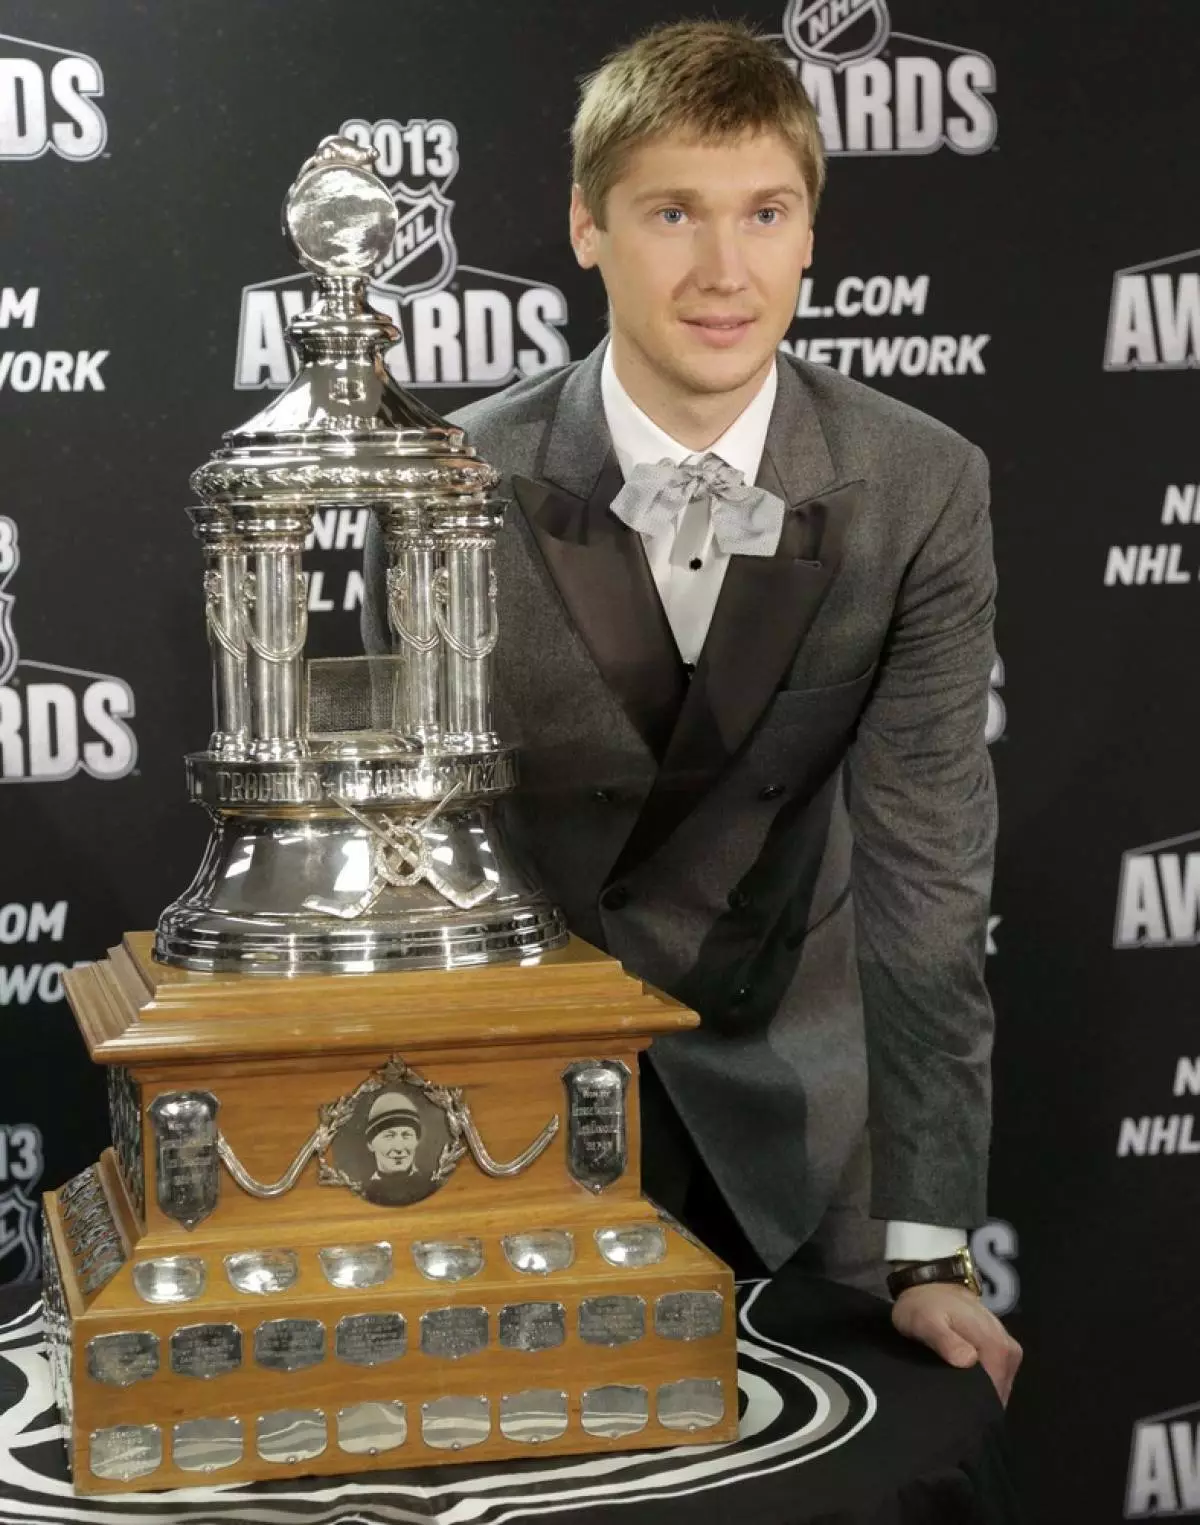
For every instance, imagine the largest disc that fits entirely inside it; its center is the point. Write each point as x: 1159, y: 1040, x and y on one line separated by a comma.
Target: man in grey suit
x: 746, y: 608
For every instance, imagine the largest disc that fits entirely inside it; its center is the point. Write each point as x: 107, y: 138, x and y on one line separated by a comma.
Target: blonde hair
x: 707, y: 79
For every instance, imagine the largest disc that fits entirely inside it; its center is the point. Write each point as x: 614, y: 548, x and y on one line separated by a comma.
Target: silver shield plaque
x: 614, y: 1411
x: 356, y: 1265
x: 454, y: 1332
x: 639, y: 1244
x: 539, y: 1252
x: 612, y: 1320
x: 169, y: 1279
x: 206, y: 1350
x: 120, y: 1360
x: 451, y: 1424
x: 448, y: 1259
x: 537, y: 1414
x: 262, y: 1271
x: 289, y: 1344
x: 597, y: 1151
x: 207, y: 1445
x: 186, y: 1165
x: 688, y: 1315
x: 696, y: 1403
x: 125, y: 1451
x: 370, y: 1339
x: 532, y: 1326
x: 290, y: 1435
x: 365, y: 1429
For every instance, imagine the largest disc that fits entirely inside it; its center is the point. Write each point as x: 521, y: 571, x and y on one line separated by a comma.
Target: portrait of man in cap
x: 390, y: 1145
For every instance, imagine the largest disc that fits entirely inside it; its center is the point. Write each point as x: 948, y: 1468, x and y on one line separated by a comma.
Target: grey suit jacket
x: 798, y: 842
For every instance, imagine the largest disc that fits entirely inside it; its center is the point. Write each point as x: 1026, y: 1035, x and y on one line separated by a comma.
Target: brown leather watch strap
x: 958, y: 1268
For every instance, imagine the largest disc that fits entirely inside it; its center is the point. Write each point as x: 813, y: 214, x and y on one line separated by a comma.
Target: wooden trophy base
x: 417, y: 1230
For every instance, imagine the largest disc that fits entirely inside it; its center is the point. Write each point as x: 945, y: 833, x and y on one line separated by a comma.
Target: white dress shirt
x: 688, y: 569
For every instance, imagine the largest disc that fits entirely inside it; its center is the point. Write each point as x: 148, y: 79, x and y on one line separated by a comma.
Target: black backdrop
x: 1033, y: 206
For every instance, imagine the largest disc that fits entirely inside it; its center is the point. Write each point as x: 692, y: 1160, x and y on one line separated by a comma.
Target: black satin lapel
x: 600, y: 569
x: 766, y: 607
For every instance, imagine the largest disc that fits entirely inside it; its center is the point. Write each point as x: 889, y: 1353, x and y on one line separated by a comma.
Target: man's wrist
x: 952, y: 1270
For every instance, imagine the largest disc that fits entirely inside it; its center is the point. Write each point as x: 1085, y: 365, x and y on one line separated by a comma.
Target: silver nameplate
x: 688, y: 1315
x: 640, y: 1244
x: 370, y: 1339
x: 612, y: 1320
x: 696, y: 1403
x: 186, y: 1165
x: 537, y: 1414
x: 169, y: 1279
x: 102, y: 1272
x: 451, y: 1424
x: 597, y: 1151
x: 448, y: 1259
x: 207, y: 1445
x: 87, y: 1223
x: 356, y: 1265
x: 291, y: 1435
x: 262, y: 1271
x: 120, y: 1360
x: 100, y: 1232
x: 365, y: 1429
x: 532, y: 1326
x: 289, y: 1344
x: 125, y: 1451
x: 614, y: 1411
x: 206, y: 1350
x: 454, y: 1332
x: 540, y: 1252
x: 82, y: 1188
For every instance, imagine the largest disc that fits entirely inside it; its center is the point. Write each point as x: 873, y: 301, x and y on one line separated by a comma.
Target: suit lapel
x: 766, y: 607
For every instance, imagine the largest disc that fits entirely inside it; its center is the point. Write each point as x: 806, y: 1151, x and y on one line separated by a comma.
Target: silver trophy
x: 351, y: 799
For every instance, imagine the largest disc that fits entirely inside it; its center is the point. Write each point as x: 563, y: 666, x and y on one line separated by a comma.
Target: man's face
x: 702, y: 256
x: 394, y: 1148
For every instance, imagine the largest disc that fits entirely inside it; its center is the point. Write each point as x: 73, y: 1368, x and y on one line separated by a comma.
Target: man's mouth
x: 719, y: 331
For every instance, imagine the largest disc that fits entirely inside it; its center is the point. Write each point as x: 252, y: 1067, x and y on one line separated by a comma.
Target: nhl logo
x: 20, y: 1253
x: 836, y: 33
x: 423, y: 255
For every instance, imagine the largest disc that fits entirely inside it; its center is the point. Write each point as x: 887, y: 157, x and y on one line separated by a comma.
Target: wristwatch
x: 958, y: 1268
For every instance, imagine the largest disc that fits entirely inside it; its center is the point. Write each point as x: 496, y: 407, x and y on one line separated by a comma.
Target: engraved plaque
x: 356, y: 1265
x: 370, y: 1339
x: 122, y: 1359
x: 540, y: 1252
x: 100, y: 1235
x: 169, y: 1279
x: 207, y: 1445
x: 538, y: 1413
x: 596, y: 1143
x: 125, y: 1451
x: 79, y: 1189
x: 688, y: 1315
x: 206, y: 1350
x: 125, y: 1122
x: 102, y: 1272
x: 696, y: 1403
x: 365, y: 1429
x: 262, y: 1271
x: 107, y: 1247
x: 450, y: 1424
x: 289, y: 1344
x: 612, y: 1320
x: 640, y: 1244
x: 532, y: 1326
x: 448, y: 1259
x: 290, y: 1435
x: 92, y: 1220
x: 614, y: 1411
x: 185, y: 1154
x: 454, y: 1332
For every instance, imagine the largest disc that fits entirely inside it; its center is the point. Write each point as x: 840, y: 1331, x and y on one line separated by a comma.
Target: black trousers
x: 847, y: 1245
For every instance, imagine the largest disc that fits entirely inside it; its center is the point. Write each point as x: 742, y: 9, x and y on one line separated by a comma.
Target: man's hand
x: 954, y: 1322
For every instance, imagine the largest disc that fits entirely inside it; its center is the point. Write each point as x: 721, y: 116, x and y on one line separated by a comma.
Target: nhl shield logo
x: 423, y: 256
x: 20, y: 1254
x: 836, y: 33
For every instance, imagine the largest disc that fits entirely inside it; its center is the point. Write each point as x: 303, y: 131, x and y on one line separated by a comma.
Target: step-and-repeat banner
x: 1008, y: 241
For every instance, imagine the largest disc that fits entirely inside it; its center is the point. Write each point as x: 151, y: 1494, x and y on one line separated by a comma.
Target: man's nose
x: 720, y: 259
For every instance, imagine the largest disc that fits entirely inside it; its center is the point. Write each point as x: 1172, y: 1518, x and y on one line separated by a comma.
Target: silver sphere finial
x: 338, y: 215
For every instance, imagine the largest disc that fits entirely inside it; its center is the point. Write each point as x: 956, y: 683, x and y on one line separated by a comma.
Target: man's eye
x: 768, y: 216
x: 672, y: 216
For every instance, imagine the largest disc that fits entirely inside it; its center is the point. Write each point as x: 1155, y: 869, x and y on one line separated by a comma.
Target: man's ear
x: 585, y: 235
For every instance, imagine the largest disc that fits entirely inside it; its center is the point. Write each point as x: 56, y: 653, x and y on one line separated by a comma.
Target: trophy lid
x: 340, y: 221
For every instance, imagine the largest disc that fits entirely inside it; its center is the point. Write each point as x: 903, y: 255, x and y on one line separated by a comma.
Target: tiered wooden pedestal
x: 273, y: 1052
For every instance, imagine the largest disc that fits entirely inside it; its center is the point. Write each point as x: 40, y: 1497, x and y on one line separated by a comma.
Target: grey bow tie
x: 747, y: 521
